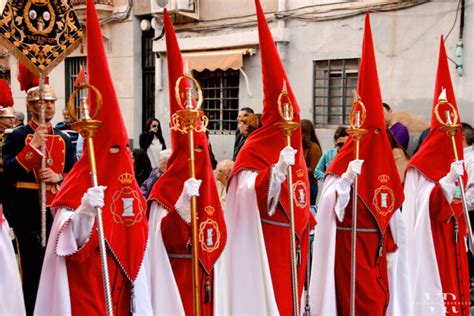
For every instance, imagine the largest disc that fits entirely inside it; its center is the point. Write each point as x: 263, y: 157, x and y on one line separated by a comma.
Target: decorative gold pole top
x: 357, y: 117
x: 189, y: 117
x: 285, y: 108
x: 86, y: 125
x: 451, y: 123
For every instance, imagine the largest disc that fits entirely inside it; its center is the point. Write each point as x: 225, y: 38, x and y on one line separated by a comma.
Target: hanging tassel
x: 207, y: 291
x: 132, y: 300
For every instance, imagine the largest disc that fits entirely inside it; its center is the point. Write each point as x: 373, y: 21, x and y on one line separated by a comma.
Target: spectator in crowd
x: 156, y: 173
x: 242, y: 114
x: 247, y: 125
x: 19, y: 119
x: 422, y: 138
x: 152, y: 141
x: 312, y: 153
x: 399, y: 154
x: 65, y: 127
x: 222, y: 175
x: 141, y: 165
x: 399, y: 131
x: 340, y: 137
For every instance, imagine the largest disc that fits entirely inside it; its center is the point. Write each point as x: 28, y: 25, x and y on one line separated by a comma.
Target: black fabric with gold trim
x: 21, y: 165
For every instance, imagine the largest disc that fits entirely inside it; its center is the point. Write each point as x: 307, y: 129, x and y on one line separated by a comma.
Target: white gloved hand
x: 191, y: 188
x: 93, y: 198
x: 287, y: 158
x: 353, y: 169
x: 183, y: 205
x: 83, y: 218
x: 456, y: 171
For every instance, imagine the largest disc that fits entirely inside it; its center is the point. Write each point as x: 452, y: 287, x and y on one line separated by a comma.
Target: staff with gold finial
x: 451, y: 126
x: 357, y: 119
x: 285, y: 108
x: 87, y: 126
x: 188, y: 120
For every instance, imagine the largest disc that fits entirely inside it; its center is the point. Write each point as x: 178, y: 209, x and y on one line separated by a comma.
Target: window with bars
x: 221, y: 98
x: 73, y: 66
x: 333, y: 83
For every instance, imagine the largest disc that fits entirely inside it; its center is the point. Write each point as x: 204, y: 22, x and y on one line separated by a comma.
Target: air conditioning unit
x: 187, y: 8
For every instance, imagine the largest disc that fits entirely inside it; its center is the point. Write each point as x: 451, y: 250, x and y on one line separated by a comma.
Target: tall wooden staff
x: 187, y: 121
x: 357, y: 119
x: 87, y: 126
x: 288, y: 127
x: 451, y: 126
x: 40, y: 34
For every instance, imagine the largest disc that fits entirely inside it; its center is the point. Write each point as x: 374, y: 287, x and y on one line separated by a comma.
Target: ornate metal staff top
x: 451, y: 126
x: 188, y: 120
x: 285, y: 108
x: 87, y: 126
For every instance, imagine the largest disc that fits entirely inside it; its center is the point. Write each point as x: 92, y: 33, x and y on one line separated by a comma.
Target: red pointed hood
x: 168, y: 188
x: 380, y: 187
x: 262, y: 148
x: 124, y: 215
x: 437, y: 150
x: 6, y: 97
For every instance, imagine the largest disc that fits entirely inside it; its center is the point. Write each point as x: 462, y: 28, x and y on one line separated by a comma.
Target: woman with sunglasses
x: 340, y: 137
x: 152, y: 141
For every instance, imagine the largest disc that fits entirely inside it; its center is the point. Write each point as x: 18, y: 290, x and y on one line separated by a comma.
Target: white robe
x: 165, y: 297
x: 53, y: 296
x: 424, y: 273
x: 243, y: 283
x: 11, y: 294
x: 322, y: 293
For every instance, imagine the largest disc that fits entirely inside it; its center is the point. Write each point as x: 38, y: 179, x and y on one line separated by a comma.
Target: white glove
x: 183, y: 205
x: 353, y: 170
x: 83, y: 218
x: 456, y: 171
x: 94, y: 197
x: 287, y: 158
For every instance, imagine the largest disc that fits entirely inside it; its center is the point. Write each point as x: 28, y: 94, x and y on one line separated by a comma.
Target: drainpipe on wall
x: 460, y: 44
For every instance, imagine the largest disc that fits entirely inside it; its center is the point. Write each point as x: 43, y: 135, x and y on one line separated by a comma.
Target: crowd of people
x: 253, y: 240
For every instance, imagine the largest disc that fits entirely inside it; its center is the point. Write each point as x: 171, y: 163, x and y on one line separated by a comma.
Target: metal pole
x: 294, y: 271
x: 355, y: 189
x: 194, y: 219
x: 42, y: 121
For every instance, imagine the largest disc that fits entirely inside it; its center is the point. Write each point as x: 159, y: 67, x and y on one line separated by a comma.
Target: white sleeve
x: 276, y: 179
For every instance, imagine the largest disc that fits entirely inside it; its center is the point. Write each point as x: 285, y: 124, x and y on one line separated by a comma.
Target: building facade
x: 319, y: 42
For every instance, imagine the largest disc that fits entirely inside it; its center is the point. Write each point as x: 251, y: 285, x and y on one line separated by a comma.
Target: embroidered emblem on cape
x: 299, y: 194
x: 209, y: 235
x: 384, y: 198
x: 125, y: 206
x: 300, y: 173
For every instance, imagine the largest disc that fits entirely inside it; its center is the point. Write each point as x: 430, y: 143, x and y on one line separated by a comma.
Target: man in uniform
x: 22, y: 163
x: 7, y: 121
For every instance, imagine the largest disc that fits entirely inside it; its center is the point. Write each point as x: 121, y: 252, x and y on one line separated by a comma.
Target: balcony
x: 104, y: 8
